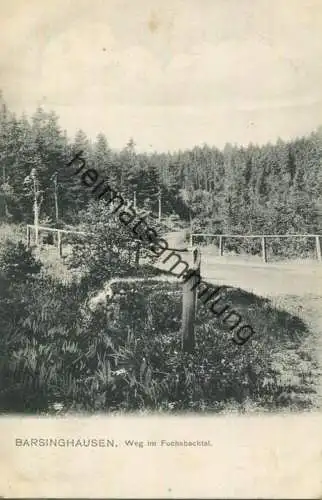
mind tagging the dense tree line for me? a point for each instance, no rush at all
(274, 188)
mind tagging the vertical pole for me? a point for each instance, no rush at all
(36, 215)
(6, 211)
(264, 249)
(137, 254)
(56, 196)
(159, 198)
(33, 175)
(189, 302)
(59, 244)
(28, 236)
(134, 200)
(318, 247)
(221, 246)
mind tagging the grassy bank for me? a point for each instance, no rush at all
(56, 354)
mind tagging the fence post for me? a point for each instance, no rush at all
(189, 303)
(59, 244)
(28, 236)
(318, 247)
(264, 250)
(137, 254)
(221, 246)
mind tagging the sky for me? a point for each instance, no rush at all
(170, 74)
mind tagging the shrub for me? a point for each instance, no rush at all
(17, 262)
(109, 250)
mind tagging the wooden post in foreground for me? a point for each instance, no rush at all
(318, 248)
(264, 250)
(189, 302)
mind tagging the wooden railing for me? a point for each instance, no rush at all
(262, 237)
(59, 233)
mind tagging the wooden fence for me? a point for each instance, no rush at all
(262, 237)
(61, 232)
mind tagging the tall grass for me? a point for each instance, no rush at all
(13, 232)
(125, 358)
(56, 353)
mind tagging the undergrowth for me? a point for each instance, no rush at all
(55, 355)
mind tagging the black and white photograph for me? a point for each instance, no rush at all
(160, 220)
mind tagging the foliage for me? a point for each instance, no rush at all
(110, 247)
(17, 261)
(56, 354)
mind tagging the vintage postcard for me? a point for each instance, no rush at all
(160, 249)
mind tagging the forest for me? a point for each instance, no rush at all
(271, 188)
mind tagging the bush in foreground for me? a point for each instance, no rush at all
(17, 262)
